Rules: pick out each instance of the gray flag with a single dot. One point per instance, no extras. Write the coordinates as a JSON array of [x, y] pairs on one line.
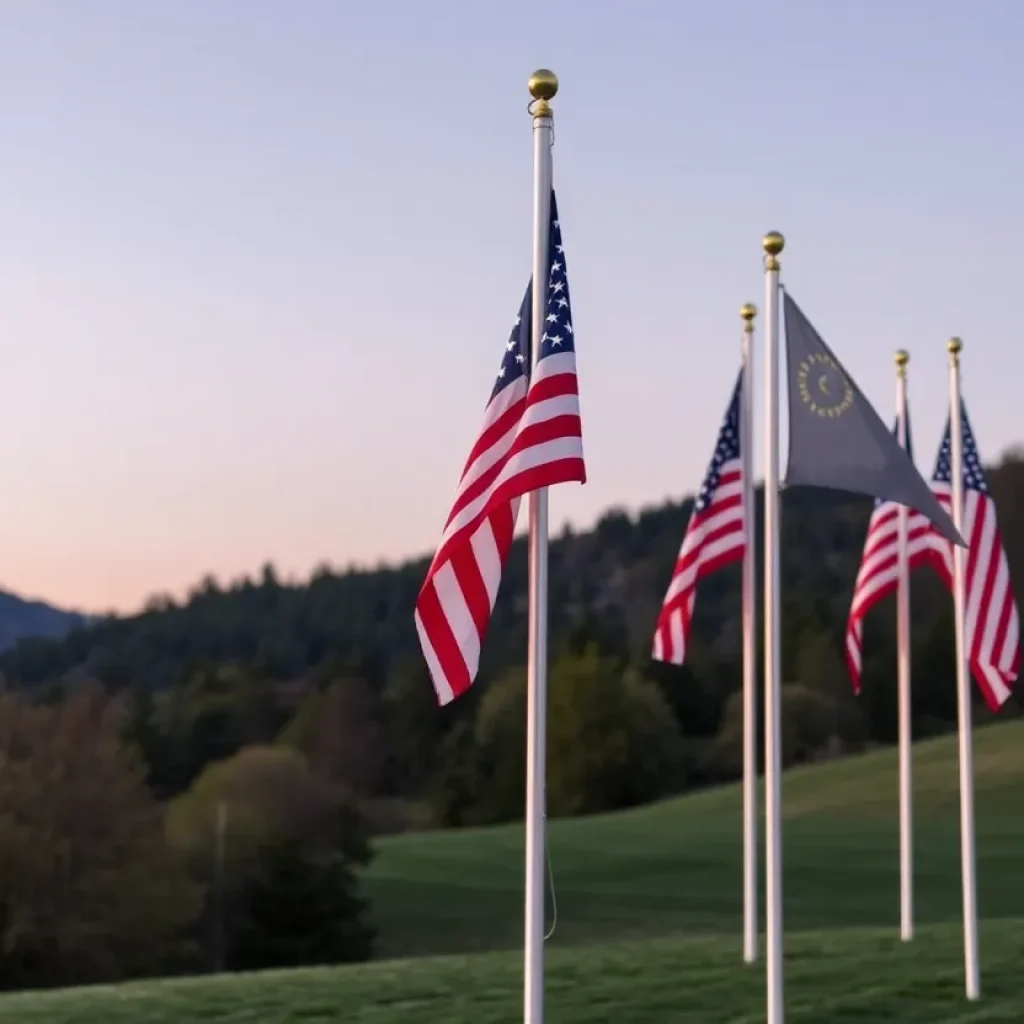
[[836, 439]]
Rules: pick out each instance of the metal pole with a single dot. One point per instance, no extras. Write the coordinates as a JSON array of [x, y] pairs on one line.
[[903, 675], [773, 245], [972, 979], [543, 86], [750, 829]]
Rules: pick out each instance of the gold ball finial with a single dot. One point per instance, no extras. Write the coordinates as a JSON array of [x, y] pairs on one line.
[[748, 311], [543, 84], [902, 357], [773, 243], [953, 346]]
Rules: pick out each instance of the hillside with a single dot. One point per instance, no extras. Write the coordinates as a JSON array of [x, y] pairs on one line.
[[614, 575], [674, 868], [611, 578], [234, 666], [648, 930]]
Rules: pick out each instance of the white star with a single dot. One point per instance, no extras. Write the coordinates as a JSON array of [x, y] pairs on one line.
[[552, 317], [519, 357], [568, 327], [557, 286], [519, 319], [555, 266], [562, 301], [501, 373], [511, 345], [556, 340]]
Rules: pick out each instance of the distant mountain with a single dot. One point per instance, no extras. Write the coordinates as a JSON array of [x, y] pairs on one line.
[[21, 619]]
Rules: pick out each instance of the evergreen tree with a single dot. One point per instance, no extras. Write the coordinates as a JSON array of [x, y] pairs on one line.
[[298, 908]]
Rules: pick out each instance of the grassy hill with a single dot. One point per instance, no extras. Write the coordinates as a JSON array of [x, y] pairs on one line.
[[674, 868], [831, 978], [648, 904]]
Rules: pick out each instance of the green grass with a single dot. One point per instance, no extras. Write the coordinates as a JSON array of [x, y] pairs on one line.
[[673, 869], [649, 914], [831, 978]]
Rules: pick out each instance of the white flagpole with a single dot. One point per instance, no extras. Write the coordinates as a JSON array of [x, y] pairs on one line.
[[542, 85], [773, 244], [972, 980], [903, 675], [750, 922]]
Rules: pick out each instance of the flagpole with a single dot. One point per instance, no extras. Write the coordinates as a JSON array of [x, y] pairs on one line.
[[750, 923], [772, 244], [543, 86], [903, 675], [972, 980]]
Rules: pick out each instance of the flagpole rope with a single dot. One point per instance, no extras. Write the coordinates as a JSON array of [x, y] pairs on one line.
[[551, 885]]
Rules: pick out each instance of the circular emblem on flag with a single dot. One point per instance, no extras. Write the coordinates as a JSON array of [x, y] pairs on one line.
[[823, 386]]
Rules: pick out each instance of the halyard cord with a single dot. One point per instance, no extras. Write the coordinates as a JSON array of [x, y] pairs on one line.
[[551, 883]]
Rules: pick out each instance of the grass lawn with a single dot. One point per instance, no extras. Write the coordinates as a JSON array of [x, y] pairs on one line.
[[839, 976], [674, 869], [649, 915]]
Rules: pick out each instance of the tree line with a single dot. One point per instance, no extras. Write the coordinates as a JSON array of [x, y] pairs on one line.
[[197, 787], [251, 866]]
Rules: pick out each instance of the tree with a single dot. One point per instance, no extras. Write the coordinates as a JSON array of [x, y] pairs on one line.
[[697, 691], [808, 723], [496, 760], [300, 909], [340, 730], [456, 790], [933, 690], [221, 667], [821, 670], [607, 636], [416, 728], [212, 712], [269, 793], [726, 753], [275, 815], [612, 739], [612, 742], [89, 889]]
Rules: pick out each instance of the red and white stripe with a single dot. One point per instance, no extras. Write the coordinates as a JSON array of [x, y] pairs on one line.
[[879, 571], [531, 438], [991, 620], [714, 538]]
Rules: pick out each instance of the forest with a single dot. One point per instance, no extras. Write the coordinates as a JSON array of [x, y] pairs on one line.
[[198, 786]]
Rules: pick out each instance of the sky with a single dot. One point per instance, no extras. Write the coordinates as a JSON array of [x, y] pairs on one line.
[[258, 258]]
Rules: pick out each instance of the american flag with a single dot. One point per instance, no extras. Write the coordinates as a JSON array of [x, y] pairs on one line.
[[879, 565], [714, 537], [991, 620], [531, 438]]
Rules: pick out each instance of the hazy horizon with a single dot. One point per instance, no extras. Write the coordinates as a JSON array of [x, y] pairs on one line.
[[261, 258]]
